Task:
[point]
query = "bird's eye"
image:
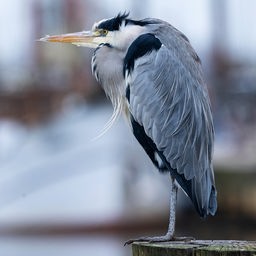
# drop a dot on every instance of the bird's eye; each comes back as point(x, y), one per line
point(104, 32)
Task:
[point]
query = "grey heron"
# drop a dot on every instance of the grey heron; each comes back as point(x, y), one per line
point(151, 73)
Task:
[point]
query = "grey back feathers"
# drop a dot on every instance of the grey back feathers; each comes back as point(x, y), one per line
point(168, 102)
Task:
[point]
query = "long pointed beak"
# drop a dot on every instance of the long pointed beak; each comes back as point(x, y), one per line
point(83, 38)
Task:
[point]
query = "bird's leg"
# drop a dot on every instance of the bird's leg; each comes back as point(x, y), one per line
point(171, 228)
point(172, 214)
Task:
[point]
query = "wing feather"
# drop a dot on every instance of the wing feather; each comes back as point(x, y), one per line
point(173, 107)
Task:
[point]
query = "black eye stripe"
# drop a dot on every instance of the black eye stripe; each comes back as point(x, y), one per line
point(114, 23)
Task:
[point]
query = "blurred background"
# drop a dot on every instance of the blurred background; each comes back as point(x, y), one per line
point(61, 191)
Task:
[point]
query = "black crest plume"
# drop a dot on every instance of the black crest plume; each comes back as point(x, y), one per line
point(114, 23)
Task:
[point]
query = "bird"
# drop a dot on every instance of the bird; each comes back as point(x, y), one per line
point(153, 76)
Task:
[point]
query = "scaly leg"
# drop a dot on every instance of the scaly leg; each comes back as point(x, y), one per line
point(171, 228)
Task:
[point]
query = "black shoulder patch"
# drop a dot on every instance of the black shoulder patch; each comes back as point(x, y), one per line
point(114, 23)
point(141, 46)
point(150, 148)
point(145, 141)
point(127, 93)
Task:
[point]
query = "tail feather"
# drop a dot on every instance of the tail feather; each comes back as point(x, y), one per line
point(213, 201)
point(201, 192)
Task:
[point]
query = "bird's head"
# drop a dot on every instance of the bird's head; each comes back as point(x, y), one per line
point(118, 32)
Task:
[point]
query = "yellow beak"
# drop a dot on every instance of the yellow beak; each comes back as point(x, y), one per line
point(83, 38)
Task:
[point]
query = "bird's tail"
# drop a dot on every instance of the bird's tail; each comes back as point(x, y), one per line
point(204, 194)
point(213, 202)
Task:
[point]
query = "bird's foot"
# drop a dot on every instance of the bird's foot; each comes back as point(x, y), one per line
point(154, 239)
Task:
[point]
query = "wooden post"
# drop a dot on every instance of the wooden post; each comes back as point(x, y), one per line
point(196, 248)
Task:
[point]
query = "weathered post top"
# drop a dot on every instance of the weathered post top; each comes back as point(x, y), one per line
point(196, 248)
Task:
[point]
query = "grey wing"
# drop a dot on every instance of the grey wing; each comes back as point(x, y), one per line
point(173, 108)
